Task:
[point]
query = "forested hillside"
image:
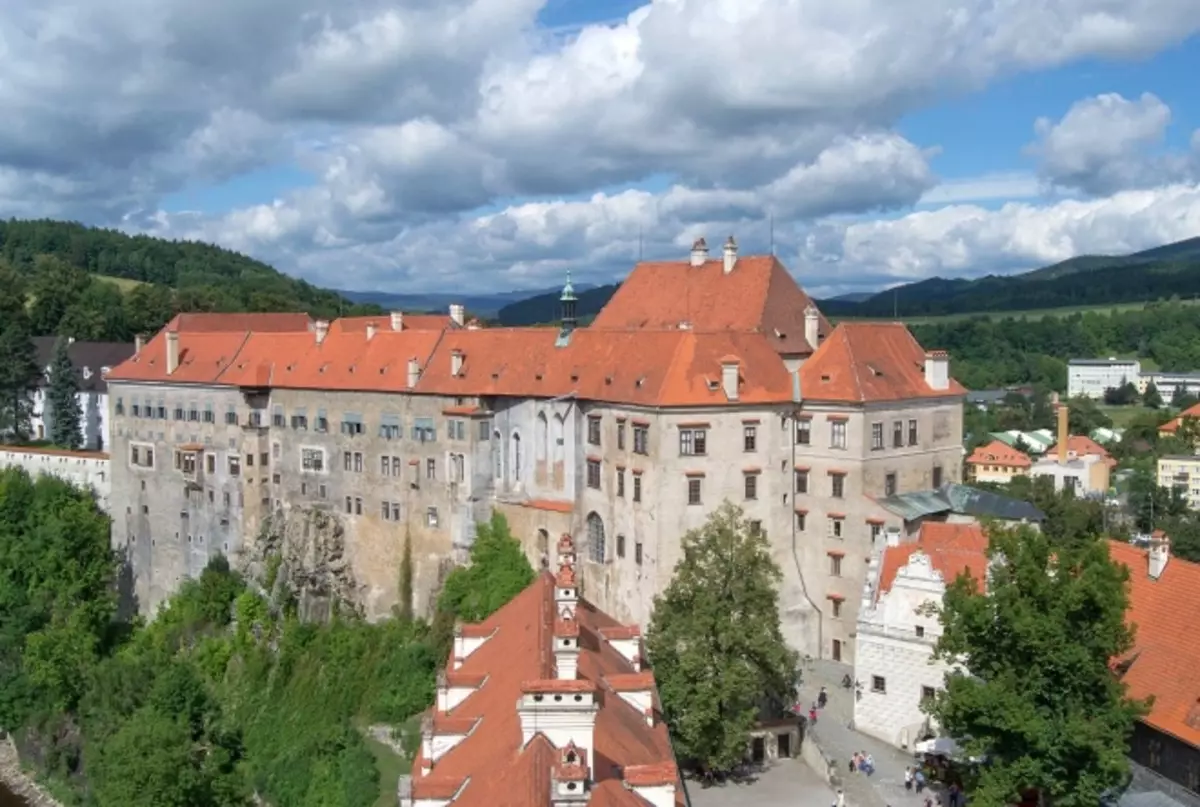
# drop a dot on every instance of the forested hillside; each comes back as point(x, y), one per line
point(546, 308)
point(226, 697)
point(989, 353)
point(105, 285)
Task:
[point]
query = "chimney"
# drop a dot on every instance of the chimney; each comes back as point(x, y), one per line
point(473, 325)
point(371, 329)
point(397, 320)
point(937, 369)
point(458, 314)
point(1064, 432)
point(729, 377)
point(566, 649)
point(456, 362)
point(566, 585)
point(172, 352)
point(321, 329)
point(569, 779)
point(699, 252)
point(414, 372)
point(812, 325)
point(730, 254)
point(1160, 553)
point(139, 342)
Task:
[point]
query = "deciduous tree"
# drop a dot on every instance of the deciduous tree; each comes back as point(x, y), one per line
point(1036, 694)
point(498, 571)
point(715, 642)
point(63, 400)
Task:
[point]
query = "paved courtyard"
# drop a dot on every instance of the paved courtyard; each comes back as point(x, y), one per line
point(788, 783)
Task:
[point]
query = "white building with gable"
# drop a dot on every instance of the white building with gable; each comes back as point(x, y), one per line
point(897, 631)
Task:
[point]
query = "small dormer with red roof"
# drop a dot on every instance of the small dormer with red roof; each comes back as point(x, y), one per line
point(566, 585)
point(570, 777)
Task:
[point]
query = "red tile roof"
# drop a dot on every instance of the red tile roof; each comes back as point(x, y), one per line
point(999, 453)
point(1164, 659)
point(409, 322)
point(1173, 426)
point(491, 761)
point(203, 357)
point(952, 549)
point(228, 323)
point(759, 295)
point(1084, 446)
point(869, 361)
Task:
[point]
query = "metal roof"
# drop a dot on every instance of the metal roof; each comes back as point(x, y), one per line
point(961, 499)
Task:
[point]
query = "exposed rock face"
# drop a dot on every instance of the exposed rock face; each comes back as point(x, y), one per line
point(302, 553)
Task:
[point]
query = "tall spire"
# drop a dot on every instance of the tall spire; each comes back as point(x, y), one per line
point(568, 300)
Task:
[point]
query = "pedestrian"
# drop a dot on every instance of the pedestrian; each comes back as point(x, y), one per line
point(812, 714)
point(908, 778)
point(851, 764)
point(928, 802)
point(841, 800)
point(919, 780)
point(822, 698)
point(953, 796)
point(869, 764)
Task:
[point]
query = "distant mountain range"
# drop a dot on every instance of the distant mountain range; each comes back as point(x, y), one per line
point(482, 305)
point(1172, 270)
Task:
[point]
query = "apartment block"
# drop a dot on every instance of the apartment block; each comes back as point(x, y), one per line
point(702, 380)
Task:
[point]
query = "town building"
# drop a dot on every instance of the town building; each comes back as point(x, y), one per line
point(701, 381)
point(84, 469)
point(1181, 472)
point(546, 703)
point(955, 504)
point(1171, 427)
point(897, 631)
point(1170, 384)
point(92, 361)
point(1033, 443)
point(997, 462)
point(1090, 378)
point(1076, 462)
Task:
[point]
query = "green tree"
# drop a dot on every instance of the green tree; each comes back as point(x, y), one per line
point(56, 286)
point(1181, 398)
point(497, 572)
point(715, 641)
point(19, 371)
point(62, 400)
point(404, 605)
point(1036, 694)
point(1151, 397)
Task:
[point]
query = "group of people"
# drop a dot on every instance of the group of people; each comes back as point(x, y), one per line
point(862, 762)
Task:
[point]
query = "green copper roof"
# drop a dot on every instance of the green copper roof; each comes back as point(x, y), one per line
point(961, 499)
point(568, 292)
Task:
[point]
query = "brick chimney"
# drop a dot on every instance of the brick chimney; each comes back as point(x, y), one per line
point(699, 252)
point(414, 372)
point(397, 320)
point(1160, 553)
point(1064, 432)
point(812, 326)
point(172, 352)
point(458, 314)
point(730, 254)
point(729, 377)
point(321, 329)
point(937, 369)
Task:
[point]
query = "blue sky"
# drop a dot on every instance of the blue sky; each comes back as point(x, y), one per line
point(403, 145)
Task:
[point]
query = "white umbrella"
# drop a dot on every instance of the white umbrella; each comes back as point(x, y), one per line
point(940, 746)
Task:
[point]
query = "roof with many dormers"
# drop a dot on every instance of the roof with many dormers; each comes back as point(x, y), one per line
point(490, 767)
point(625, 358)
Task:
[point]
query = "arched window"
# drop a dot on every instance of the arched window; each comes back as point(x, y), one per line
point(516, 457)
point(498, 455)
point(543, 437)
point(557, 446)
point(543, 543)
point(595, 538)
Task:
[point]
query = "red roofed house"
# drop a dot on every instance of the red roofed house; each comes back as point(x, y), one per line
point(997, 462)
point(544, 704)
point(895, 642)
point(702, 380)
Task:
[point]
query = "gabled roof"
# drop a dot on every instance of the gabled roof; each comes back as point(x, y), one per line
point(1083, 446)
point(410, 322)
point(999, 453)
point(961, 499)
point(869, 361)
point(1172, 426)
point(203, 357)
point(759, 295)
point(951, 548)
point(212, 323)
point(91, 355)
point(1165, 656)
point(496, 769)
point(655, 368)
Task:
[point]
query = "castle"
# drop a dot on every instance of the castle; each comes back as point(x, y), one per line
point(702, 380)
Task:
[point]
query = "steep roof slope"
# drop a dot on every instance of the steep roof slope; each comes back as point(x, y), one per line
point(998, 452)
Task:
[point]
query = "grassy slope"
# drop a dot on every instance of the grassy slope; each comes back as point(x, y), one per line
point(125, 284)
point(1029, 314)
